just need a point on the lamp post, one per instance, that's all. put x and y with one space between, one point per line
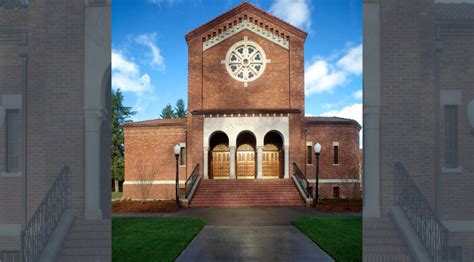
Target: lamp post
176 150
470 114
317 150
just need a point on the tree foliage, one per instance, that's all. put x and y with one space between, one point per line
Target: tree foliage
120 115
167 112
179 111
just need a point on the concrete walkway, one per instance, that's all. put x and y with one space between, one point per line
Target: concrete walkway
249 234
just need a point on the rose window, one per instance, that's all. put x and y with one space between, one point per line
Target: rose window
245 61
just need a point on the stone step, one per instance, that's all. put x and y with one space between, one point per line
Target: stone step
82 243
87 252
84 258
246 193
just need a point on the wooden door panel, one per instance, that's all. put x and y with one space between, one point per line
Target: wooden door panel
220 165
245 164
271 164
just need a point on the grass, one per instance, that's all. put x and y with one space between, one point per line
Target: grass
152 238
340 237
117 195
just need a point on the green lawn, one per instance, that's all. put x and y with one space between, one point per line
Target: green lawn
152 238
117 195
340 237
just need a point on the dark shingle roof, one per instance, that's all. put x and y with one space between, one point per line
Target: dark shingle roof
330 120
158 122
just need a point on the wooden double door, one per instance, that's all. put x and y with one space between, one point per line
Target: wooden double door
272 164
245 164
220 164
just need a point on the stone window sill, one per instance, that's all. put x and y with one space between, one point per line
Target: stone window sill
10 174
451 170
335 164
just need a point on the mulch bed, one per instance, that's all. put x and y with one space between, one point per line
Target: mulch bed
339 205
152 206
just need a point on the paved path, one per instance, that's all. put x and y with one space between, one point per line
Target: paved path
252 243
250 234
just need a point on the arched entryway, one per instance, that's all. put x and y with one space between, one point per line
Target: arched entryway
273 155
219 159
245 164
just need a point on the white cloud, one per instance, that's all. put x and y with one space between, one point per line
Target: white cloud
295 12
352 61
325 74
149 40
321 76
357 94
353 111
126 75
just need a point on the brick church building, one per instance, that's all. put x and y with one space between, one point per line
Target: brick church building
246 130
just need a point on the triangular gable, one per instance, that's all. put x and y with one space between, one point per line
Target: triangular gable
245 24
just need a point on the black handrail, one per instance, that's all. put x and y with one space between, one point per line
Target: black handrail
301 178
424 220
38 230
191 180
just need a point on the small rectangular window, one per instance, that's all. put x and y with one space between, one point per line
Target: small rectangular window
12 152
182 153
336 155
309 155
335 192
451 147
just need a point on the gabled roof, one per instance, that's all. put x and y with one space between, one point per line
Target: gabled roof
243 7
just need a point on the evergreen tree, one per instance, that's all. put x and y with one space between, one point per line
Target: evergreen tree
167 112
180 109
120 115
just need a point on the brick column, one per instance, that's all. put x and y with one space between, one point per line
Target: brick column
259 161
206 162
287 161
232 162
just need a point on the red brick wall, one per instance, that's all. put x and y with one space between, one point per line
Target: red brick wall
151 147
280 86
348 138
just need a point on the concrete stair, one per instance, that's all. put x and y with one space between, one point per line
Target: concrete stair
88 240
247 193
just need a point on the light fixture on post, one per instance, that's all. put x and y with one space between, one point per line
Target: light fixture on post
470 115
2 115
317 151
176 150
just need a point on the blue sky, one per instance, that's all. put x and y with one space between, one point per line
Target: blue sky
149 53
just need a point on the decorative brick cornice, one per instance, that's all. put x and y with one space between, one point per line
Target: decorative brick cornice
13 35
245 24
247 112
454 29
239 9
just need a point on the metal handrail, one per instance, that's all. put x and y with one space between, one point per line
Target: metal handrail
191 180
301 178
431 232
37 231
